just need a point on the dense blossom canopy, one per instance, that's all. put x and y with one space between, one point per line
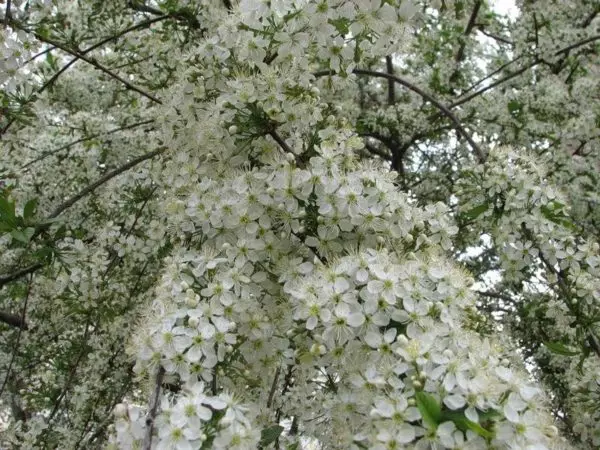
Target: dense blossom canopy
345 224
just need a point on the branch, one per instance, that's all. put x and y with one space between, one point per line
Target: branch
376 151
152 409
286 148
179 15
98 66
92 187
442 108
470 25
273 387
7 14
5 279
13 320
94 136
143 24
389 64
504 40
18 340
534 63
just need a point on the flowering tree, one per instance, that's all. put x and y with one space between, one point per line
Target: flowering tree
299 224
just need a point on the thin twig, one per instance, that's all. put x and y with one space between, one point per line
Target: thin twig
460 54
518 72
92 187
502 39
441 107
152 409
95 64
140 25
87 138
273 387
18 340
7 14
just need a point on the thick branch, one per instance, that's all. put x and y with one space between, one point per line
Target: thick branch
470 25
5 279
389 66
286 148
13 320
442 108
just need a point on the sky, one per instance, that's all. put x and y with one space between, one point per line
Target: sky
507 7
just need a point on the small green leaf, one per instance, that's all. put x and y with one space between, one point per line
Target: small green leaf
465 424
475 212
560 349
7 211
23 235
29 209
429 408
270 435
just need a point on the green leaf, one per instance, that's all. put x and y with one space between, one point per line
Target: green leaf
270 435
464 424
475 212
7 211
29 209
429 408
23 235
560 349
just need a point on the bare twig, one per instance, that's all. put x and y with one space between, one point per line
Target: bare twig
153 409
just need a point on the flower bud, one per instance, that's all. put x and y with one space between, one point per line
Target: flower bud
233 129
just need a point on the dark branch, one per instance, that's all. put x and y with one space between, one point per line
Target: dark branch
5 279
442 108
153 409
94 136
518 72
389 65
286 148
18 340
13 320
92 187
